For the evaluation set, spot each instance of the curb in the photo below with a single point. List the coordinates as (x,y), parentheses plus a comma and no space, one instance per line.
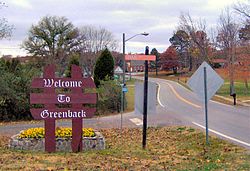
(230,100)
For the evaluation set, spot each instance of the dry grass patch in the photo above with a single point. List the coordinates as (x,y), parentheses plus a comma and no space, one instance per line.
(168,148)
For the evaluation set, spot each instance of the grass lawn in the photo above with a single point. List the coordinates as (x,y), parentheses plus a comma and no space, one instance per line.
(239,89)
(168,148)
(131,82)
(130,97)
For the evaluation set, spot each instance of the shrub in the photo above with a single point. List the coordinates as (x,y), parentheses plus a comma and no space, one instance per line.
(15,80)
(109,97)
(60,133)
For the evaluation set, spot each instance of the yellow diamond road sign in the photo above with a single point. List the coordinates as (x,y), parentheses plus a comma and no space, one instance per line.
(196,82)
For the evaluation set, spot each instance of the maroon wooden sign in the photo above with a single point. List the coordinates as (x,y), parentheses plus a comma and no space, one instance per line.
(77,98)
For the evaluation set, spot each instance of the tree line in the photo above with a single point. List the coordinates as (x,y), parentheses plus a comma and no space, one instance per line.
(192,43)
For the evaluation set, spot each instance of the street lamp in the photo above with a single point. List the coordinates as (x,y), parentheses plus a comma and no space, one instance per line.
(123,51)
(124,68)
(124,62)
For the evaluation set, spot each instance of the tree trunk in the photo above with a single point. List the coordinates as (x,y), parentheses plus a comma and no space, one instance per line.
(175,70)
(156,67)
(232,88)
(246,85)
(190,63)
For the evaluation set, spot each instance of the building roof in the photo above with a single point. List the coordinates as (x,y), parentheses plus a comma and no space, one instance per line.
(219,61)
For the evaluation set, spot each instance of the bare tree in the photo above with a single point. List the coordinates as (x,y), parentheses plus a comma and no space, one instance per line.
(198,37)
(96,40)
(243,9)
(243,52)
(244,33)
(5,28)
(227,40)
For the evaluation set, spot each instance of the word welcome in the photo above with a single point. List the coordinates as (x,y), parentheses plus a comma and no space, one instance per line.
(61,83)
(67,114)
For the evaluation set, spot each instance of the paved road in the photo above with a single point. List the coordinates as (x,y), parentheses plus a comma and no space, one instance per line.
(227,121)
(177,106)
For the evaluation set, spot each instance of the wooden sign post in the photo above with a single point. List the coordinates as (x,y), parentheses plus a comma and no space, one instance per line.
(145,58)
(50,98)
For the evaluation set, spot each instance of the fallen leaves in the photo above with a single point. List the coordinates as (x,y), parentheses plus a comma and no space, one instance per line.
(168,148)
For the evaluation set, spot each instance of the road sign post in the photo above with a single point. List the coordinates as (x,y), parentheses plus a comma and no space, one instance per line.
(124,90)
(205,95)
(145,102)
(145,58)
(207,88)
(122,94)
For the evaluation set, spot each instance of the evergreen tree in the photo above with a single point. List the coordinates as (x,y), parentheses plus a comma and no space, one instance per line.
(104,67)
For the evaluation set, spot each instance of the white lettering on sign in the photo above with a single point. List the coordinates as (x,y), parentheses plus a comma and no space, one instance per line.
(61,84)
(61,98)
(68,114)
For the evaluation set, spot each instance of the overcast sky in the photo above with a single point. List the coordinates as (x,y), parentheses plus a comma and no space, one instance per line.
(157,17)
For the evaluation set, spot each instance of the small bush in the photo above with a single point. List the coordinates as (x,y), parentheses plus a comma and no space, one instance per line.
(109,97)
(74,60)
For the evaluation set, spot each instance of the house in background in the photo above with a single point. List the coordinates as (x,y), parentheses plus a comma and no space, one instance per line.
(118,73)
(219,63)
(24,59)
(136,66)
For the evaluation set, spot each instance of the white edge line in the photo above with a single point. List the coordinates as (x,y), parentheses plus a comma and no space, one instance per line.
(136,121)
(158,94)
(223,135)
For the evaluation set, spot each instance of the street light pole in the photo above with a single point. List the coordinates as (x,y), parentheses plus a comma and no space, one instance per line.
(123,78)
(124,62)
(124,40)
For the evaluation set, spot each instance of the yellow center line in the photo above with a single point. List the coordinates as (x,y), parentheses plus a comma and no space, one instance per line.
(181,98)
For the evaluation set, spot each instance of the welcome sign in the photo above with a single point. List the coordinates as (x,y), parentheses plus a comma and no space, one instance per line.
(69,92)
